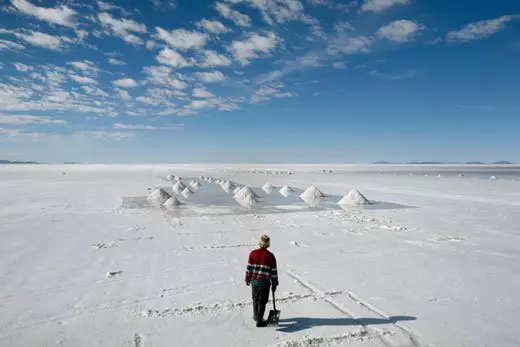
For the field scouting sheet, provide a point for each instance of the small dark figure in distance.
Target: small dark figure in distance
(261, 273)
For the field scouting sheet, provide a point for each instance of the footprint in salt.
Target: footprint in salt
(112, 274)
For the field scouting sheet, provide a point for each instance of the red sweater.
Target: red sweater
(261, 268)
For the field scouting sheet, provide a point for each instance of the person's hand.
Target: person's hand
(247, 283)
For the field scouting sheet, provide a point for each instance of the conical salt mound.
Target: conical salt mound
(286, 190)
(244, 192)
(312, 192)
(354, 197)
(237, 189)
(268, 188)
(202, 178)
(171, 203)
(170, 177)
(228, 186)
(247, 202)
(187, 192)
(158, 197)
(178, 187)
(195, 184)
(178, 178)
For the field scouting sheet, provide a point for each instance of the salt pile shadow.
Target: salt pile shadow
(211, 199)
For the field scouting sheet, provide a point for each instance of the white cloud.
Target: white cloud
(339, 65)
(212, 103)
(210, 77)
(94, 91)
(212, 26)
(400, 30)
(212, 59)
(178, 112)
(62, 15)
(163, 4)
(117, 135)
(123, 28)
(245, 51)
(279, 11)
(150, 44)
(343, 26)
(201, 104)
(182, 39)
(114, 61)
(105, 6)
(202, 93)
(479, 30)
(256, 99)
(13, 119)
(83, 79)
(284, 95)
(22, 67)
(125, 83)
(85, 66)
(172, 58)
(123, 94)
(236, 17)
(381, 5)
(266, 91)
(37, 38)
(335, 4)
(47, 99)
(6, 45)
(349, 45)
(162, 75)
(147, 127)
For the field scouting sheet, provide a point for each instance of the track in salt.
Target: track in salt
(213, 247)
(224, 306)
(340, 339)
(413, 339)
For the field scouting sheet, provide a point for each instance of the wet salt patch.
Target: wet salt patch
(291, 207)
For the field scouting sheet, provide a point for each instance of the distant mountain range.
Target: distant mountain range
(2, 161)
(502, 162)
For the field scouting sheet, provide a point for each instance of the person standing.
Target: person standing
(262, 275)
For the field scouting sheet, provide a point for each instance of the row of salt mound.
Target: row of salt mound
(227, 186)
(312, 195)
(286, 190)
(172, 203)
(187, 192)
(268, 188)
(354, 197)
(173, 178)
(158, 197)
(246, 197)
(178, 187)
(195, 184)
(312, 192)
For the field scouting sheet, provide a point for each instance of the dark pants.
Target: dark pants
(260, 298)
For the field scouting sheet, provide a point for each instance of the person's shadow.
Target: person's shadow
(291, 325)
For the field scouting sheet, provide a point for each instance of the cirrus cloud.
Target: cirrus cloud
(479, 30)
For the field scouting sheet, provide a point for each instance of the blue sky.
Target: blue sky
(259, 80)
